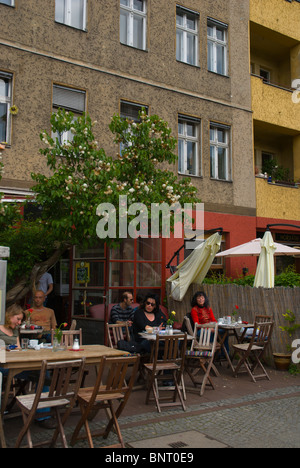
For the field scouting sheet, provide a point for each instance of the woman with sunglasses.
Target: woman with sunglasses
(148, 315)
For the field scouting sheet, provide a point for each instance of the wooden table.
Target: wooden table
(30, 359)
(152, 336)
(232, 330)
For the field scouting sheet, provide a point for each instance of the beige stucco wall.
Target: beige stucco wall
(39, 51)
(278, 15)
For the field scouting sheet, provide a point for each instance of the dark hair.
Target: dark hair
(196, 295)
(155, 298)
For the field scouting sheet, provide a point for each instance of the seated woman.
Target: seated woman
(147, 316)
(202, 313)
(9, 332)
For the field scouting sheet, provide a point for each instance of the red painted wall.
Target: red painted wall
(237, 230)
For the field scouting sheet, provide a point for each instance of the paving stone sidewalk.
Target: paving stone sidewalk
(239, 414)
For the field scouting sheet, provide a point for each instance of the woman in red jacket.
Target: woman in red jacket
(201, 311)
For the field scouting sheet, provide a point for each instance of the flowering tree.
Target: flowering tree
(83, 177)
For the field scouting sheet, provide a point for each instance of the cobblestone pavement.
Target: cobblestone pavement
(267, 419)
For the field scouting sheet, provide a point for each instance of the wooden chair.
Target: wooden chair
(173, 348)
(68, 337)
(254, 350)
(188, 325)
(117, 332)
(201, 355)
(2, 436)
(60, 395)
(108, 389)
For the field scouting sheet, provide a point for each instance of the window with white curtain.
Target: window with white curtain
(5, 104)
(217, 47)
(71, 100)
(133, 23)
(187, 36)
(189, 146)
(71, 12)
(220, 157)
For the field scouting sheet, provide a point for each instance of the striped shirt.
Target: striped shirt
(118, 314)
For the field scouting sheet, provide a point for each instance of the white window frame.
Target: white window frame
(67, 136)
(215, 145)
(184, 31)
(217, 43)
(131, 13)
(7, 101)
(67, 20)
(185, 139)
(12, 3)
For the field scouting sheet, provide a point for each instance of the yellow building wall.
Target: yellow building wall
(274, 105)
(278, 15)
(275, 201)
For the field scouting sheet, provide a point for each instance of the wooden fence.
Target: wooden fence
(251, 301)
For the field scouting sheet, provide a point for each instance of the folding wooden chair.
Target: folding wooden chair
(201, 355)
(108, 389)
(2, 436)
(68, 337)
(117, 332)
(188, 325)
(255, 349)
(172, 348)
(60, 395)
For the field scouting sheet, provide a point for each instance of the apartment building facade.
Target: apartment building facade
(187, 61)
(275, 78)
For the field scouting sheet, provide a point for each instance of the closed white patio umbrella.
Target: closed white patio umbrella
(194, 268)
(265, 275)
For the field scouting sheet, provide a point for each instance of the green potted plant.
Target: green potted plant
(283, 360)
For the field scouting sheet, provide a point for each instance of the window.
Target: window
(135, 265)
(5, 103)
(265, 74)
(69, 99)
(220, 163)
(8, 2)
(133, 27)
(187, 36)
(130, 111)
(71, 12)
(217, 47)
(188, 146)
